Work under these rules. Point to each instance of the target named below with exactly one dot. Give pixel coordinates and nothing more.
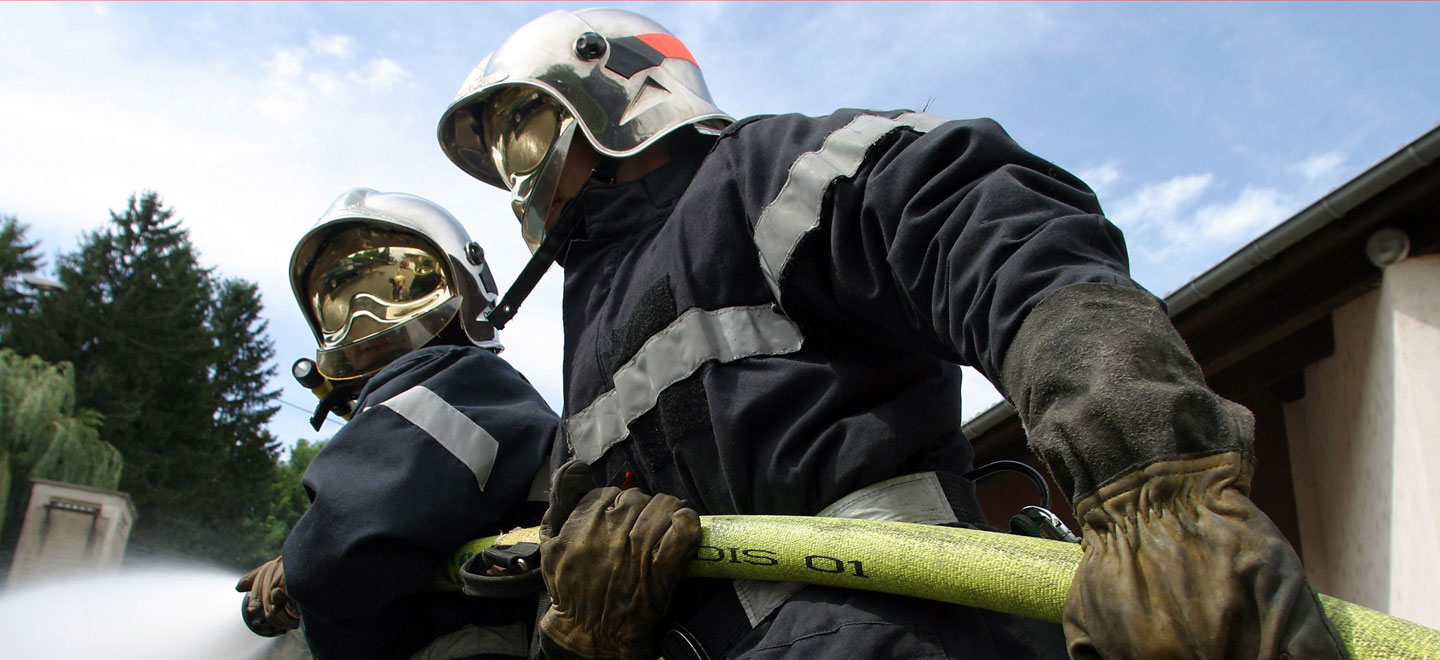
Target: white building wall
(1365, 449)
(70, 529)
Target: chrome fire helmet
(381, 274)
(620, 78)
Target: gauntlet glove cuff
(1105, 386)
(1164, 488)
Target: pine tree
(242, 369)
(176, 362)
(17, 257)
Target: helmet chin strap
(555, 239)
(340, 400)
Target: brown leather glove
(612, 570)
(1178, 563)
(570, 483)
(267, 611)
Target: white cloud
(1159, 202)
(1102, 178)
(296, 79)
(1320, 168)
(288, 62)
(382, 73)
(1178, 225)
(326, 83)
(337, 45)
(1255, 210)
(282, 105)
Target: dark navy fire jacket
(778, 322)
(448, 445)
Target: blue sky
(1201, 125)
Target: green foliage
(42, 435)
(17, 257)
(287, 499)
(242, 407)
(176, 360)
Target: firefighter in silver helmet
(446, 441)
(617, 80)
(768, 316)
(383, 274)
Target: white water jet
(156, 613)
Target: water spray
(156, 613)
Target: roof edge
(1419, 153)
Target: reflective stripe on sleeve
(670, 356)
(795, 211)
(540, 485)
(457, 433)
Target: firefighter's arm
(1177, 561)
(941, 241)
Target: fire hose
(1004, 572)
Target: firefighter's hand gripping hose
(266, 607)
(1004, 572)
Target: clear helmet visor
(528, 134)
(367, 284)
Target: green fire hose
(1004, 572)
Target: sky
(1200, 125)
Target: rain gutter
(1423, 151)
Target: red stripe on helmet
(668, 46)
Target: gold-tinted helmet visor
(376, 294)
(520, 126)
(527, 134)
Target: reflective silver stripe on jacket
(796, 209)
(914, 498)
(670, 356)
(475, 640)
(540, 484)
(451, 428)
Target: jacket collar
(612, 210)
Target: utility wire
(328, 419)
